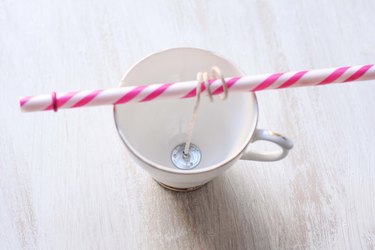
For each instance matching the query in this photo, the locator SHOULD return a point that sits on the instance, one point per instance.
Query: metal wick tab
(183, 160)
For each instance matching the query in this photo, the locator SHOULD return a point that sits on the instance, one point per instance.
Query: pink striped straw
(145, 93)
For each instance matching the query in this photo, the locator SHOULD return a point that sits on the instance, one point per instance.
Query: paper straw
(181, 90)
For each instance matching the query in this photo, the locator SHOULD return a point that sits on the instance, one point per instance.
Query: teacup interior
(153, 129)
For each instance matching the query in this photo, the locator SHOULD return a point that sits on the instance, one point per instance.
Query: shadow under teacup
(223, 129)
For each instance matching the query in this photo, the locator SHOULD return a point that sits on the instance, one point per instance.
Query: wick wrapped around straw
(203, 77)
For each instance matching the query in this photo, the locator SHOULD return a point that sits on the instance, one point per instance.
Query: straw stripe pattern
(145, 93)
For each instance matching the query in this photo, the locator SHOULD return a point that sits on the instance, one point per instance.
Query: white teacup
(223, 130)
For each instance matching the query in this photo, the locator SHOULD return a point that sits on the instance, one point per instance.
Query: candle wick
(202, 78)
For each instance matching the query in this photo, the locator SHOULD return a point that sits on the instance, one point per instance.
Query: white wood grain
(67, 182)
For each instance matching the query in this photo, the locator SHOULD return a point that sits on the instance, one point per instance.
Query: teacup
(224, 129)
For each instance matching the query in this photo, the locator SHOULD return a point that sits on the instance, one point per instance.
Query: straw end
(22, 101)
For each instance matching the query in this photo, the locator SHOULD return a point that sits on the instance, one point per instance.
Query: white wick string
(215, 71)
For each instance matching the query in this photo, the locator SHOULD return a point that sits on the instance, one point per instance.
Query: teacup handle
(268, 135)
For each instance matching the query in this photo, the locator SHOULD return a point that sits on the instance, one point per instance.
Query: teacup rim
(192, 171)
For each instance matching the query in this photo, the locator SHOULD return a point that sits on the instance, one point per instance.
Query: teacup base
(176, 189)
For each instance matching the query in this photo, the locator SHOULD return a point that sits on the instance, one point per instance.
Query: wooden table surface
(67, 181)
